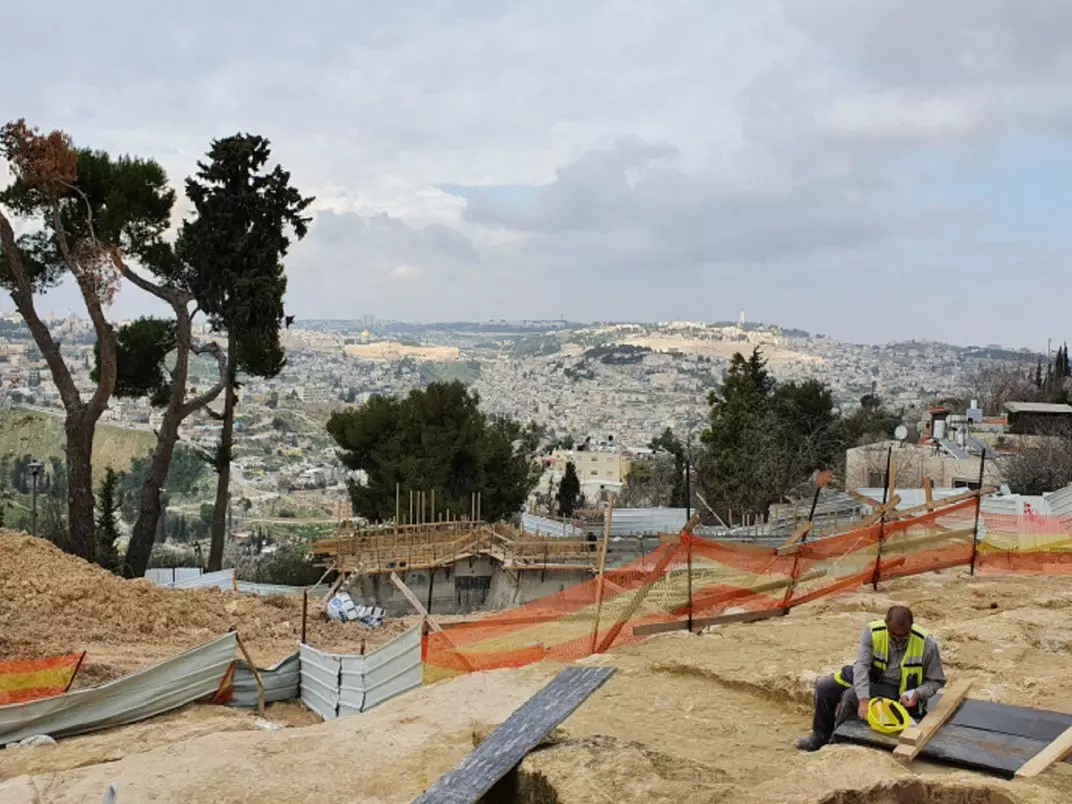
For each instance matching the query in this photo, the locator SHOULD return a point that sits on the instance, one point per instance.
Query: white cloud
(667, 159)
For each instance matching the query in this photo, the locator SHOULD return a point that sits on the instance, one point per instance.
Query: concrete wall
(480, 584)
(865, 467)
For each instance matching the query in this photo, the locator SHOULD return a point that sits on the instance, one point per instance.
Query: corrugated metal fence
(336, 685)
(281, 683)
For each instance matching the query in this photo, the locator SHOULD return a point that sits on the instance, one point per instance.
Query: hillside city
(619, 385)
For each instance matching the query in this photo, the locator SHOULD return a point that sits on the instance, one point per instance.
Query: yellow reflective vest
(911, 663)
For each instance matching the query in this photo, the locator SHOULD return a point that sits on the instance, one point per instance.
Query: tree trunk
(223, 463)
(143, 534)
(80, 504)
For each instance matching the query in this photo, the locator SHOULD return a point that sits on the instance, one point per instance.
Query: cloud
(805, 159)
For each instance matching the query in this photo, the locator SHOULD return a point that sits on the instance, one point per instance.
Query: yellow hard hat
(887, 716)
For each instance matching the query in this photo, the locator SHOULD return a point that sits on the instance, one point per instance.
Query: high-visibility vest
(911, 662)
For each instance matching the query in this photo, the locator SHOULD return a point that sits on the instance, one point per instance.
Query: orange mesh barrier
(1037, 543)
(29, 679)
(721, 578)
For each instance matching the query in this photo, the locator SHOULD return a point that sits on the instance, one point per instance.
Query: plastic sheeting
(337, 685)
(281, 682)
(176, 682)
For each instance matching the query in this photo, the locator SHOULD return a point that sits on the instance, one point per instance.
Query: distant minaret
(740, 320)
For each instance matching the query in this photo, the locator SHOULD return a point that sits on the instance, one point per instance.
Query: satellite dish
(901, 433)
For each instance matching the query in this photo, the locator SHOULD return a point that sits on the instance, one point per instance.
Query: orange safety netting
(1026, 543)
(721, 577)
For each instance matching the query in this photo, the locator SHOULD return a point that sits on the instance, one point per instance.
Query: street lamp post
(35, 472)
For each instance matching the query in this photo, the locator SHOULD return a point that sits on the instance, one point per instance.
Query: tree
(273, 400)
(993, 384)
(435, 438)
(569, 491)
(108, 504)
(763, 438)
(671, 444)
(1043, 464)
(653, 481)
(88, 214)
(230, 258)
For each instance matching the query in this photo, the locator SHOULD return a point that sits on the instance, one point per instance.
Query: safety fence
(696, 579)
(336, 685)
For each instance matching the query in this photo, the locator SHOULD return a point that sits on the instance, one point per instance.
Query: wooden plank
(798, 534)
(602, 567)
(682, 625)
(944, 502)
(914, 738)
(413, 601)
(505, 747)
(928, 492)
(863, 498)
(256, 674)
(1054, 752)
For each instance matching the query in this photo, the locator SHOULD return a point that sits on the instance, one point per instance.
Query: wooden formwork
(378, 551)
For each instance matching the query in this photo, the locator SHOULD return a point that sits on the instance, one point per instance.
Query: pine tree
(109, 499)
(569, 491)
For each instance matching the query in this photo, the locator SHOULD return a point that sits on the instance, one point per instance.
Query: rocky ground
(684, 719)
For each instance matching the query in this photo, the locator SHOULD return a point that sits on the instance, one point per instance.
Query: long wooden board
(1054, 752)
(914, 738)
(504, 749)
(413, 601)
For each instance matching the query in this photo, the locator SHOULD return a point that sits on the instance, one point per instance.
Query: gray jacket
(933, 674)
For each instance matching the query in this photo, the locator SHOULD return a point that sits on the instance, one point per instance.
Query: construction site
(682, 674)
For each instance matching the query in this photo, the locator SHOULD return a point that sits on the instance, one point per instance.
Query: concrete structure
(599, 469)
(865, 467)
(1038, 418)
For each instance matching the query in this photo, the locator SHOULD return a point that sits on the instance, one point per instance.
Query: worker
(896, 659)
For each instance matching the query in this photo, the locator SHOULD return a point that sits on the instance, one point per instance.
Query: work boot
(813, 742)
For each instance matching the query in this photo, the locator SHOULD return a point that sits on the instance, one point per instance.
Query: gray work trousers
(835, 703)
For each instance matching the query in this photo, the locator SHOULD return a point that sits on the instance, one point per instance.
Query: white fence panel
(362, 682)
(320, 681)
(224, 579)
(393, 669)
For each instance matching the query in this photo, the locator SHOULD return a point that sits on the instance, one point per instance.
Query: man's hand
(908, 700)
(861, 710)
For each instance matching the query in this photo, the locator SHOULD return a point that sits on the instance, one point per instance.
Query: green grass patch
(29, 432)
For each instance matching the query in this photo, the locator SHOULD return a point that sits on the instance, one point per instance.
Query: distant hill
(29, 432)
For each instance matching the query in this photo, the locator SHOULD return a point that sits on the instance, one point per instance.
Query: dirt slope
(53, 603)
(684, 719)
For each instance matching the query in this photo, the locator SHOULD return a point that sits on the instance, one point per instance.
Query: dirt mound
(52, 603)
(919, 791)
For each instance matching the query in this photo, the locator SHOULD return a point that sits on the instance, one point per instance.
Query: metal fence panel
(393, 669)
(320, 681)
(176, 682)
(362, 682)
(281, 682)
(224, 579)
(543, 526)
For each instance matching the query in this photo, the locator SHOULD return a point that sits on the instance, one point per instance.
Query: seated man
(896, 659)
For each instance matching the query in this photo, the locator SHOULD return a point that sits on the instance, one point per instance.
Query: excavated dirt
(685, 718)
(53, 603)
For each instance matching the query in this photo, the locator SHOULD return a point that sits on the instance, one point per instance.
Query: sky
(875, 171)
